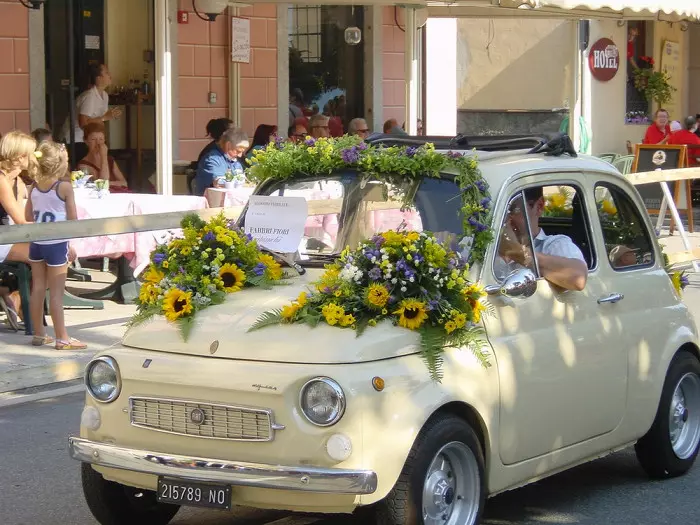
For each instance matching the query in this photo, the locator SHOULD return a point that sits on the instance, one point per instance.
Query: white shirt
(48, 206)
(557, 245)
(90, 103)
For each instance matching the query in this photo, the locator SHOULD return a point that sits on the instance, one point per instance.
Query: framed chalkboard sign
(652, 157)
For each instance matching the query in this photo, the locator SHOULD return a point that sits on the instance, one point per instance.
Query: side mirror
(520, 283)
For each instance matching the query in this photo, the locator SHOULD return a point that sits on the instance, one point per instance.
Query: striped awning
(662, 10)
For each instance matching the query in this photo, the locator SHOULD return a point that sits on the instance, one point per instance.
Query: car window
(627, 240)
(563, 227)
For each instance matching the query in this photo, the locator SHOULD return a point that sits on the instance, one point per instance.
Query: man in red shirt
(688, 137)
(660, 130)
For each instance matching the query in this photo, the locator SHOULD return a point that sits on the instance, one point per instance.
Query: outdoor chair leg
(23, 280)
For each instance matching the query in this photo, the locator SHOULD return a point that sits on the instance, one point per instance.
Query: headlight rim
(109, 361)
(332, 383)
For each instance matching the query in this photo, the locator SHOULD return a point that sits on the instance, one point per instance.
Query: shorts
(4, 251)
(51, 254)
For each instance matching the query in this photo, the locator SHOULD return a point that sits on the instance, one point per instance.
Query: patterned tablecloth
(135, 247)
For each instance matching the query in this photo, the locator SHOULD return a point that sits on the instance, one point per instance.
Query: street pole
(411, 72)
(71, 82)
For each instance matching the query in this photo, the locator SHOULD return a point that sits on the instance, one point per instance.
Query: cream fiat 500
(319, 420)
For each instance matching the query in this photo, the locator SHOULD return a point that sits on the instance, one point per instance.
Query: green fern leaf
(267, 319)
(432, 348)
(185, 324)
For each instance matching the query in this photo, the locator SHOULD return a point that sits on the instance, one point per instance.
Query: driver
(559, 260)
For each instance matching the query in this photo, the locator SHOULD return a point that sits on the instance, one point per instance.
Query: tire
(115, 504)
(452, 440)
(660, 456)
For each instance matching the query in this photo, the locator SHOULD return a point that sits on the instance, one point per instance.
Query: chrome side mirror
(520, 283)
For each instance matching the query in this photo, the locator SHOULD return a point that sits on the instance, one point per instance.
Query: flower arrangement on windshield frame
(190, 273)
(407, 278)
(397, 165)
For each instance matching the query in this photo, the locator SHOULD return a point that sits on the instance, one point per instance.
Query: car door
(562, 367)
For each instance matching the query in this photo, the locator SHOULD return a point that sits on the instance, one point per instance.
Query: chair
(624, 164)
(608, 157)
(24, 278)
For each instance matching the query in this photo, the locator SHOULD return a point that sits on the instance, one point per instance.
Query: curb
(58, 372)
(20, 399)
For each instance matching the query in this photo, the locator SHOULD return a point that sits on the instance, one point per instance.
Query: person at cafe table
(688, 137)
(660, 129)
(98, 162)
(224, 157)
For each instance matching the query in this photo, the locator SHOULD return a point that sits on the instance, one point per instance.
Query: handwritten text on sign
(240, 40)
(277, 223)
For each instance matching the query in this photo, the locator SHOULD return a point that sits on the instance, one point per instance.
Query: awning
(661, 10)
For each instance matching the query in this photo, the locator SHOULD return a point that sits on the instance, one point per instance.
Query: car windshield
(346, 208)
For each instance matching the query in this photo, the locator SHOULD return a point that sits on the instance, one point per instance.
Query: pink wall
(203, 60)
(14, 66)
(393, 84)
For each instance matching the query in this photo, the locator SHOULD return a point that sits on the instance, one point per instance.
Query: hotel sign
(604, 60)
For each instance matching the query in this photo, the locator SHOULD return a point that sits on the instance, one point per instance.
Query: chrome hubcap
(684, 416)
(451, 492)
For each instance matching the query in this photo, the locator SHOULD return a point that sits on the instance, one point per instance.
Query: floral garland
(188, 274)
(408, 278)
(654, 85)
(394, 164)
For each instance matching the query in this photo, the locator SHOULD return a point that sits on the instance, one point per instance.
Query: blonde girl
(51, 199)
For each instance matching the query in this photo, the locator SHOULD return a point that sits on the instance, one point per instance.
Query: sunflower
(272, 268)
(232, 277)
(608, 207)
(477, 309)
(347, 320)
(676, 280)
(153, 275)
(377, 295)
(412, 313)
(149, 293)
(177, 304)
(289, 311)
(450, 327)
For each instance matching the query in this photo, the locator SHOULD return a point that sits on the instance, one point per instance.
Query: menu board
(240, 40)
(653, 157)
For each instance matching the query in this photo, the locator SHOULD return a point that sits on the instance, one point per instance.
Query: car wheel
(670, 447)
(443, 480)
(115, 504)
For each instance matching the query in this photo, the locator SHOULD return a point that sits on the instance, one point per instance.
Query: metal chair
(608, 157)
(624, 164)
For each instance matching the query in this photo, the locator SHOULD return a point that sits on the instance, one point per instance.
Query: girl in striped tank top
(50, 200)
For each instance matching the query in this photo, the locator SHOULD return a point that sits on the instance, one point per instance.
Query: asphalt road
(40, 485)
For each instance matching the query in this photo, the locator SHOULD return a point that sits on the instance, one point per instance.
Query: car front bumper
(306, 479)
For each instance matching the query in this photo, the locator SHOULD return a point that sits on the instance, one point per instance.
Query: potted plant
(654, 85)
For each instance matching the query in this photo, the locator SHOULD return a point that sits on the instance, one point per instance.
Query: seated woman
(98, 162)
(264, 134)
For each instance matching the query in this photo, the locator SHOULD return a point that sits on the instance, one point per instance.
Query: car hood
(221, 331)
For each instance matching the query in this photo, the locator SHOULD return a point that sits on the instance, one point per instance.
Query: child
(50, 200)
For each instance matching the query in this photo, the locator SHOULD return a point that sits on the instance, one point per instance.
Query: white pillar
(575, 104)
(411, 72)
(164, 103)
(441, 73)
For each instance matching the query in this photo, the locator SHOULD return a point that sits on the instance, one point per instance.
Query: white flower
(394, 280)
(403, 288)
(383, 250)
(430, 270)
(373, 259)
(385, 257)
(411, 279)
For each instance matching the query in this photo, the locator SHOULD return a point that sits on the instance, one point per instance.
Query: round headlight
(102, 379)
(322, 401)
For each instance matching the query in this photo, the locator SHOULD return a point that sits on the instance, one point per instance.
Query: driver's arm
(567, 273)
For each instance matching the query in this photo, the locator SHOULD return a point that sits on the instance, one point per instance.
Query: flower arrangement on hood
(679, 278)
(406, 278)
(394, 164)
(210, 260)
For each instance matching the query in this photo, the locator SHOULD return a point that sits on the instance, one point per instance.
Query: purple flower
(378, 240)
(485, 202)
(158, 258)
(411, 151)
(684, 281)
(433, 304)
(454, 155)
(392, 299)
(350, 155)
(279, 142)
(418, 258)
(249, 237)
(375, 274)
(259, 269)
(209, 236)
(476, 224)
(362, 146)
(480, 185)
(182, 270)
(310, 142)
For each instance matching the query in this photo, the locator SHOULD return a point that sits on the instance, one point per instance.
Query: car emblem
(197, 416)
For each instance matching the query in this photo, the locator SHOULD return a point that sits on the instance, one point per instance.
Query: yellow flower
(332, 313)
(676, 280)
(177, 304)
(412, 236)
(558, 200)
(149, 293)
(477, 309)
(474, 289)
(273, 269)
(166, 264)
(289, 311)
(460, 320)
(608, 207)
(301, 300)
(377, 295)
(232, 277)
(450, 327)
(347, 320)
(412, 313)
(338, 293)
(372, 322)
(153, 275)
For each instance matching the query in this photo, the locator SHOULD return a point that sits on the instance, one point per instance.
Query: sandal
(73, 344)
(41, 340)
(10, 314)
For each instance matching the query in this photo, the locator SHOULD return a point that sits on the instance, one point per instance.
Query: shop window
(637, 107)
(326, 74)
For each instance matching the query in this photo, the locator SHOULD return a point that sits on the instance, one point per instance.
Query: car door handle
(612, 298)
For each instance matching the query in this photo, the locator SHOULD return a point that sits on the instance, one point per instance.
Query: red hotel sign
(604, 60)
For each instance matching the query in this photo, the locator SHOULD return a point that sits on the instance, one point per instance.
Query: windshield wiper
(286, 259)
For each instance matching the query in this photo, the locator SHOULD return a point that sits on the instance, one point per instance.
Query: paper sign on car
(277, 223)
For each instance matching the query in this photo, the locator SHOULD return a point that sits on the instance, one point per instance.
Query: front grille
(219, 421)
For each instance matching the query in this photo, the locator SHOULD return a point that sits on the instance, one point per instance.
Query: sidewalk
(23, 365)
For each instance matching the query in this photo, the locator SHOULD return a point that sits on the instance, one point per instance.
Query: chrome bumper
(308, 479)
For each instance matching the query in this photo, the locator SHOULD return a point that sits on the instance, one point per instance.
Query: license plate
(192, 494)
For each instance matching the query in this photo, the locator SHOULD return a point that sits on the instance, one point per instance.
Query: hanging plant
(654, 85)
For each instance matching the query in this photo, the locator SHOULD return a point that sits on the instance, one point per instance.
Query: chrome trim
(86, 378)
(338, 391)
(273, 425)
(305, 479)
